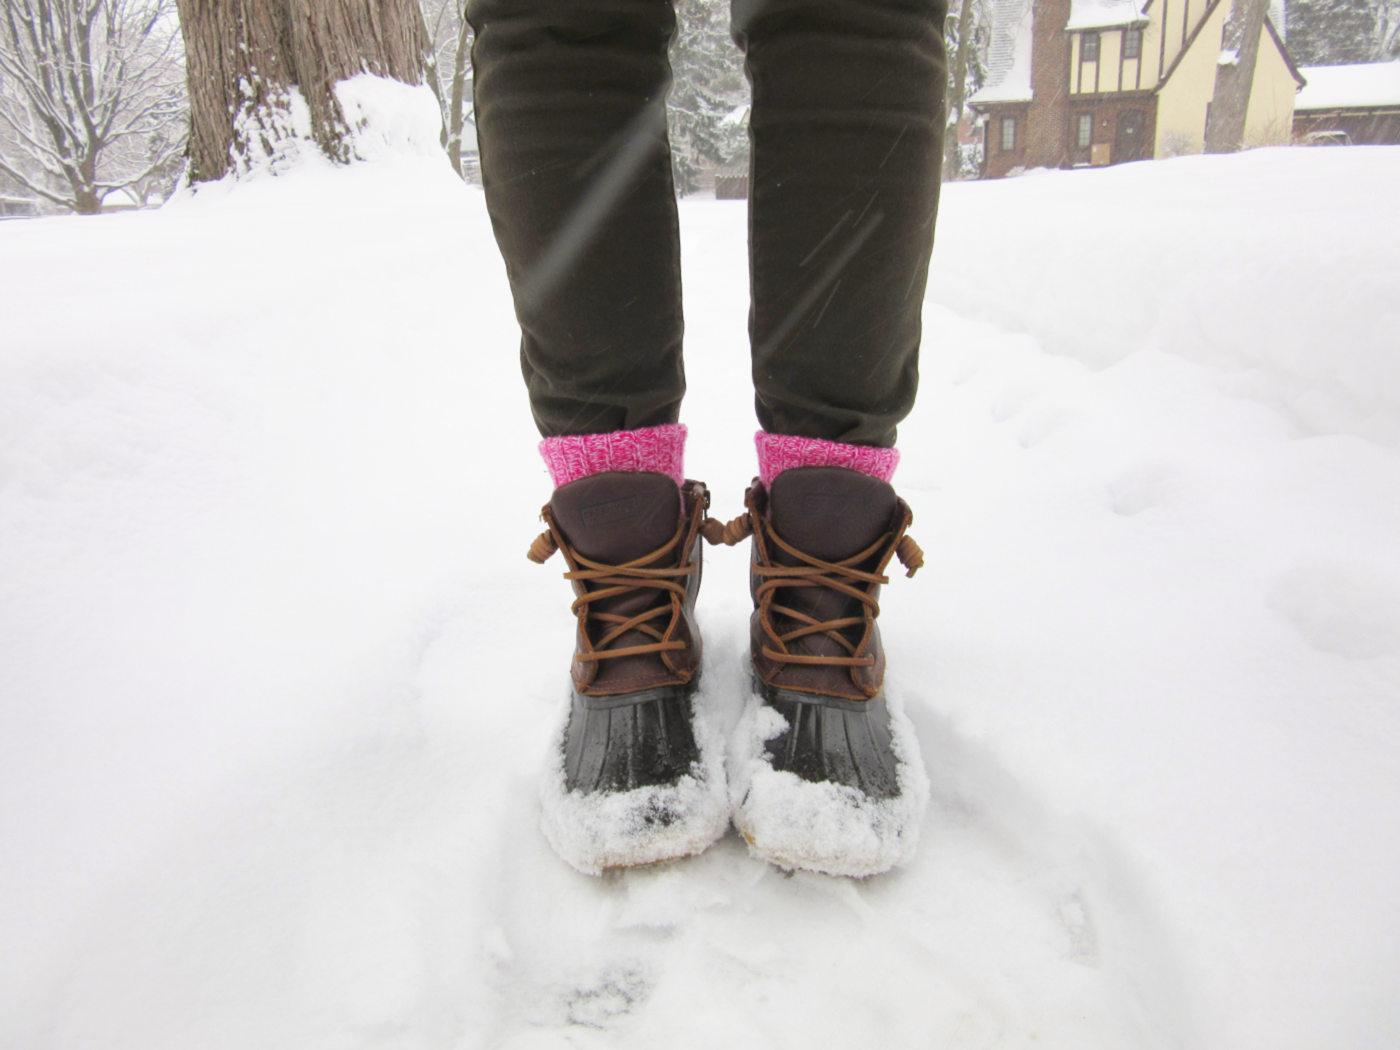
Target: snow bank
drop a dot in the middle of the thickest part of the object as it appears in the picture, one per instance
(1278, 266)
(389, 118)
(272, 732)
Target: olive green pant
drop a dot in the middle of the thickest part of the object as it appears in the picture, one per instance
(846, 131)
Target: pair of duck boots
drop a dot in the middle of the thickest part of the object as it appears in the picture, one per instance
(819, 773)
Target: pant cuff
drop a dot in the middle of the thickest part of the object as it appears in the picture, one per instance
(780, 452)
(660, 450)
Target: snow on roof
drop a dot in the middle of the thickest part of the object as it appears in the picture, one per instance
(1009, 56)
(1104, 14)
(1342, 87)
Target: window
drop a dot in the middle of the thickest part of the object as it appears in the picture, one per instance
(1085, 134)
(1089, 47)
(1132, 43)
(1008, 134)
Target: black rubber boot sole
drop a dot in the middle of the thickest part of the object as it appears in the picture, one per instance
(620, 743)
(830, 739)
(637, 782)
(840, 789)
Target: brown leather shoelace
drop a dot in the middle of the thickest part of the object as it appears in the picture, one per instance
(614, 581)
(841, 576)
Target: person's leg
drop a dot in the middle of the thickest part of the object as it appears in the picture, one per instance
(571, 121)
(846, 131)
(570, 104)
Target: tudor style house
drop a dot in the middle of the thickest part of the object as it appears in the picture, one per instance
(1090, 82)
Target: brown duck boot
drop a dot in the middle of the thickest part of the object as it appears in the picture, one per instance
(834, 783)
(633, 783)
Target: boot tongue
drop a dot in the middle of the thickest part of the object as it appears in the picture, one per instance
(830, 513)
(617, 516)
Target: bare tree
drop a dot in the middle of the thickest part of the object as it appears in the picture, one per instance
(1385, 38)
(91, 96)
(449, 35)
(263, 72)
(1234, 76)
(449, 54)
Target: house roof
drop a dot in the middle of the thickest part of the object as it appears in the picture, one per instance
(1350, 87)
(1268, 31)
(1008, 55)
(1105, 14)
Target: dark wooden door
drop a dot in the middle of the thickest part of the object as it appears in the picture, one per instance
(1130, 142)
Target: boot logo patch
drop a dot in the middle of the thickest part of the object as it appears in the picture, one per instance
(830, 505)
(607, 513)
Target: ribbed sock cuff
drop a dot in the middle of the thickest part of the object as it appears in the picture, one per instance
(780, 452)
(657, 449)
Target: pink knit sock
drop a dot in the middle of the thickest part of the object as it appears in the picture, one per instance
(659, 449)
(780, 452)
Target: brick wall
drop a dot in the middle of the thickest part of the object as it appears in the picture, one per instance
(1106, 113)
(995, 161)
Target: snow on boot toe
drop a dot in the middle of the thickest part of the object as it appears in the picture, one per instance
(833, 828)
(616, 813)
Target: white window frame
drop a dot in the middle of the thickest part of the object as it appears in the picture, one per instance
(1008, 130)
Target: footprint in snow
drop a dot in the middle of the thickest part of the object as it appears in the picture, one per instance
(1141, 486)
(614, 995)
(1042, 425)
(1347, 607)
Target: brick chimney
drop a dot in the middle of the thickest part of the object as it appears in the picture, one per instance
(1047, 131)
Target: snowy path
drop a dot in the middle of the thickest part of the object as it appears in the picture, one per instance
(269, 738)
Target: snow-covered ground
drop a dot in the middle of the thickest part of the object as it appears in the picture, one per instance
(270, 736)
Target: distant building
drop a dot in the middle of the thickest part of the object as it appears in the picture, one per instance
(1349, 105)
(1090, 82)
(18, 207)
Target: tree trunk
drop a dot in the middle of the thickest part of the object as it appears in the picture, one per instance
(1233, 79)
(245, 56)
(956, 90)
(455, 118)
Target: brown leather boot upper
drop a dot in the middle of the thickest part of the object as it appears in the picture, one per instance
(821, 541)
(632, 543)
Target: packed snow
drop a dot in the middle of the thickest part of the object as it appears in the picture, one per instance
(1347, 87)
(278, 686)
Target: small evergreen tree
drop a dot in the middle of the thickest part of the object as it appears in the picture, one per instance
(708, 107)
